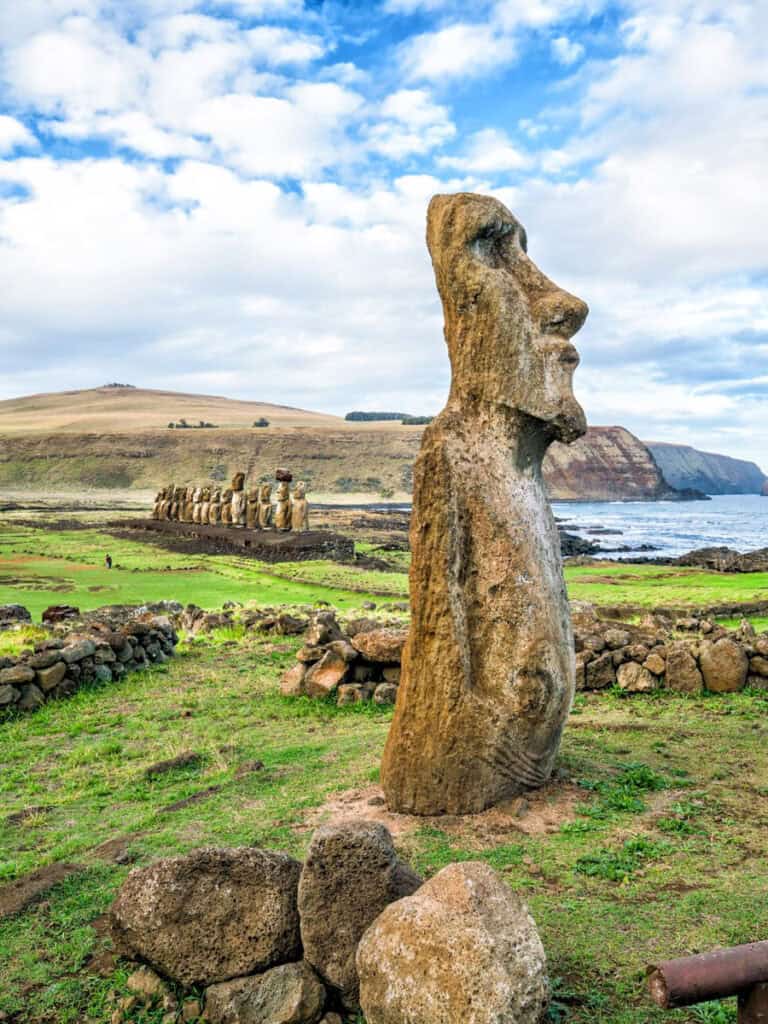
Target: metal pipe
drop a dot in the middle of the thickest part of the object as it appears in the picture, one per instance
(718, 975)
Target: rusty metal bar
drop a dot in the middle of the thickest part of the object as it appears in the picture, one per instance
(718, 975)
(753, 1005)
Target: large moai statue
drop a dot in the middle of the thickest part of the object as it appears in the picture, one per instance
(165, 508)
(300, 508)
(283, 510)
(159, 497)
(238, 499)
(252, 509)
(197, 501)
(266, 508)
(226, 507)
(214, 509)
(189, 495)
(205, 505)
(488, 669)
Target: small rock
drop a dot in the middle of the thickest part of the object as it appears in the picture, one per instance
(655, 664)
(289, 994)
(724, 666)
(292, 681)
(616, 638)
(758, 666)
(48, 678)
(8, 695)
(16, 675)
(600, 672)
(385, 693)
(147, 986)
(31, 697)
(325, 675)
(191, 1010)
(78, 651)
(681, 672)
(635, 679)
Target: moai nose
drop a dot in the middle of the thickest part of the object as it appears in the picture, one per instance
(559, 312)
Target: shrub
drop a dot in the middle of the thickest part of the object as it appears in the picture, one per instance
(261, 422)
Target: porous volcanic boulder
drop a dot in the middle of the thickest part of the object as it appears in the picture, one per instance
(655, 663)
(211, 915)
(758, 666)
(381, 645)
(289, 994)
(681, 672)
(323, 629)
(60, 613)
(635, 679)
(78, 650)
(462, 949)
(325, 675)
(292, 681)
(724, 665)
(350, 875)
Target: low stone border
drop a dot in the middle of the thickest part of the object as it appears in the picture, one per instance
(687, 655)
(99, 650)
(360, 664)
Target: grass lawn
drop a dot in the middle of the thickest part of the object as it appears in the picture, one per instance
(664, 855)
(40, 567)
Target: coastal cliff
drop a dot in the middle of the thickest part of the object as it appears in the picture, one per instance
(684, 466)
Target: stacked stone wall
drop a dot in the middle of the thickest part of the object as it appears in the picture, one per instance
(98, 650)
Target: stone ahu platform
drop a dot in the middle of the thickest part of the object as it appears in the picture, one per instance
(264, 545)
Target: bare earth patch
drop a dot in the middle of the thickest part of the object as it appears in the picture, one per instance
(534, 814)
(23, 892)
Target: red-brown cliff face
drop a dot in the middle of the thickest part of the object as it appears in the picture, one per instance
(607, 464)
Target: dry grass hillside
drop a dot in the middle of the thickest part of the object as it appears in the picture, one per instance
(118, 438)
(121, 410)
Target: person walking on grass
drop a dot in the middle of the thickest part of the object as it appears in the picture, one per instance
(108, 561)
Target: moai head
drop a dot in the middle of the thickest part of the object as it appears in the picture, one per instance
(265, 492)
(206, 494)
(227, 495)
(300, 490)
(238, 481)
(283, 491)
(507, 326)
(216, 495)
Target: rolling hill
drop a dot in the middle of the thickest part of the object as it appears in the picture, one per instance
(117, 437)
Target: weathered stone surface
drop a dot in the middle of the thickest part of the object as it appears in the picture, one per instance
(349, 693)
(724, 666)
(758, 665)
(582, 660)
(323, 629)
(385, 693)
(635, 679)
(488, 669)
(350, 875)
(47, 678)
(655, 663)
(616, 638)
(16, 675)
(44, 659)
(10, 614)
(325, 675)
(289, 994)
(78, 651)
(381, 645)
(212, 915)
(462, 949)
(292, 681)
(682, 673)
(31, 697)
(8, 695)
(600, 672)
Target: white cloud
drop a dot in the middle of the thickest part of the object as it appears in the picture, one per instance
(14, 135)
(488, 152)
(566, 51)
(461, 50)
(410, 123)
(275, 46)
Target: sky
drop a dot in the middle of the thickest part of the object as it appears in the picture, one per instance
(229, 196)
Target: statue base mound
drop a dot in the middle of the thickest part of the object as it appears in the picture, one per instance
(264, 545)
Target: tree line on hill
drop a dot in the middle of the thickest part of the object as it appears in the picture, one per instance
(359, 416)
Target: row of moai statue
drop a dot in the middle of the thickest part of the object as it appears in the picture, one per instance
(234, 506)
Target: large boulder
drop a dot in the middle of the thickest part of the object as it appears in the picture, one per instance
(350, 875)
(600, 672)
(681, 672)
(12, 614)
(16, 675)
(211, 915)
(381, 645)
(463, 949)
(724, 665)
(290, 994)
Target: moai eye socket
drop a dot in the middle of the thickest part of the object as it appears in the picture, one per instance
(496, 241)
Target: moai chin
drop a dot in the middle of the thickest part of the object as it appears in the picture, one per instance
(488, 670)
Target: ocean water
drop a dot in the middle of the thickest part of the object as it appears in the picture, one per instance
(737, 521)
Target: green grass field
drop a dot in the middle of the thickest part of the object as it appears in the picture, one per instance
(40, 567)
(659, 851)
(663, 853)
